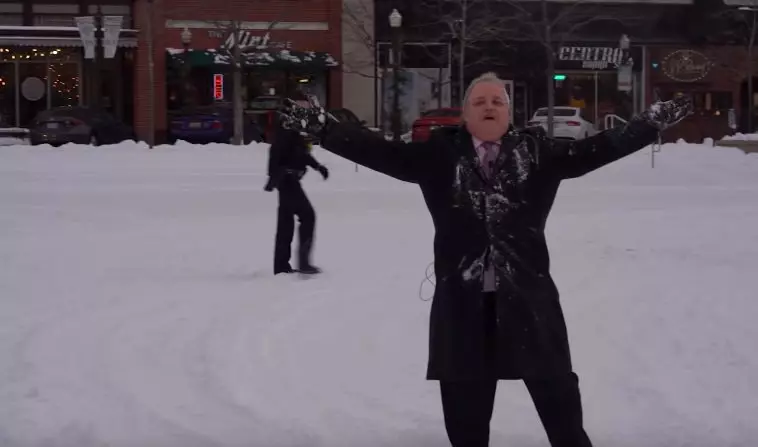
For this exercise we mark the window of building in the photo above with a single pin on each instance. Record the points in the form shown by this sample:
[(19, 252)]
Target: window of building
[(114, 10), (704, 103), (54, 14), (11, 14)]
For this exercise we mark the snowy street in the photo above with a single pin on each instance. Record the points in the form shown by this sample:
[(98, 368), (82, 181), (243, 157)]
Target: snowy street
[(138, 306)]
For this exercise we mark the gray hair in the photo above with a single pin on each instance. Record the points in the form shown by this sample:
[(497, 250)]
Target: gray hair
[(486, 77)]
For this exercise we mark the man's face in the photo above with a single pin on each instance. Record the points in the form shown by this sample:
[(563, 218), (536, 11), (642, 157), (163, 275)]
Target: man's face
[(486, 113)]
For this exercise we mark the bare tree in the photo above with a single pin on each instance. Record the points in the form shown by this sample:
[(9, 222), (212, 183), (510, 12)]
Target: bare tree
[(467, 23), (551, 25), (236, 48)]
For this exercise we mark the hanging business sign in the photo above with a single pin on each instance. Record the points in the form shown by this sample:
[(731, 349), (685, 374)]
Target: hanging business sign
[(218, 87), (86, 27), (686, 65), (247, 40), (111, 30), (594, 58)]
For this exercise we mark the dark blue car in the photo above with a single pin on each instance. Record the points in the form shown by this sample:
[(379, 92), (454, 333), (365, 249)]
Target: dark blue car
[(210, 124)]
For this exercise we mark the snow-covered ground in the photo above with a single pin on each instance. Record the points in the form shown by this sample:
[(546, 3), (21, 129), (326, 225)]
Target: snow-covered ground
[(138, 308)]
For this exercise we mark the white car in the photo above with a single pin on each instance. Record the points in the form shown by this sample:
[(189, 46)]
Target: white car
[(569, 123)]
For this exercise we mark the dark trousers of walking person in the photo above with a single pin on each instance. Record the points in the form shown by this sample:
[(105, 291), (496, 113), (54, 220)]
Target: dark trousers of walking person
[(468, 406), (293, 203)]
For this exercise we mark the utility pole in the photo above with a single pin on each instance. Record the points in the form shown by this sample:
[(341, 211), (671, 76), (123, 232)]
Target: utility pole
[(237, 83), (550, 55), (150, 75), (396, 21), (462, 49)]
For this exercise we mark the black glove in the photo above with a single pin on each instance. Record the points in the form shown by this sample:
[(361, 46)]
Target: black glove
[(663, 115), (270, 185), (309, 120), (324, 172)]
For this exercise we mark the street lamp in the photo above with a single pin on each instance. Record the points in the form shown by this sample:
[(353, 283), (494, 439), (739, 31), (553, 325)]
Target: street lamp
[(750, 103), (396, 21), (624, 42), (186, 37)]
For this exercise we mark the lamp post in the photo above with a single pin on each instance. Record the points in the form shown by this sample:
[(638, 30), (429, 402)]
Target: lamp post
[(396, 20), (750, 105), (97, 61), (623, 76), (186, 37)]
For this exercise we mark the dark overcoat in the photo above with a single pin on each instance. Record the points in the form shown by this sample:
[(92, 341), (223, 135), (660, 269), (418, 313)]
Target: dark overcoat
[(500, 220)]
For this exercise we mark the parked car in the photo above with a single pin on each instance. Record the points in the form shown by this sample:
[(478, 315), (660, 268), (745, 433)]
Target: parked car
[(433, 119), (211, 124), (568, 123), (81, 125)]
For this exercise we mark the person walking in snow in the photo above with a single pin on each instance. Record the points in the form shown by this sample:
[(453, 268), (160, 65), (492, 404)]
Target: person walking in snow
[(496, 313), (289, 157)]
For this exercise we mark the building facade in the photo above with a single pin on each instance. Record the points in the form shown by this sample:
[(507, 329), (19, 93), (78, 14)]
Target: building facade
[(42, 62), (288, 46), (666, 56)]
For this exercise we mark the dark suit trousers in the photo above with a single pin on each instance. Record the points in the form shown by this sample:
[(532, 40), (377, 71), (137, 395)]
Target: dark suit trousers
[(293, 202), (468, 405)]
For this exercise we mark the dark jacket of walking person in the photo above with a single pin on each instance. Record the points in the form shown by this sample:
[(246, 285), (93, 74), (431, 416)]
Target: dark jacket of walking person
[(289, 157), (496, 312)]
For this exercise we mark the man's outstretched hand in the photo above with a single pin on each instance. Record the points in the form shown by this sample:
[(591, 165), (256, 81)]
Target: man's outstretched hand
[(665, 114), (323, 171)]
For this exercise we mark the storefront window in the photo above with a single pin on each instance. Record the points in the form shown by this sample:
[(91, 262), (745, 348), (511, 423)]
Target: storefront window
[(36, 79), (32, 78), (596, 93), (64, 84), (284, 83), (704, 103), (7, 94)]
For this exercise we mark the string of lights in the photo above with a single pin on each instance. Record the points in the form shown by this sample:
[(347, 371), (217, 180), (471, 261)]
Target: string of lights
[(59, 66)]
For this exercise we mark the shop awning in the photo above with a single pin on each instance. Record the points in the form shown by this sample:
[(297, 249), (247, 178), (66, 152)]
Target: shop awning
[(45, 41), (274, 58)]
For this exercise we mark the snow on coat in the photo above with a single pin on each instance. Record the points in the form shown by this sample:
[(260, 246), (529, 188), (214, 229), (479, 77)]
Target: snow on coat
[(519, 331)]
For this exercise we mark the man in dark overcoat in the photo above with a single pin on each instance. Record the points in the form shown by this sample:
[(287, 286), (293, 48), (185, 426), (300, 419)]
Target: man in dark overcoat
[(495, 313)]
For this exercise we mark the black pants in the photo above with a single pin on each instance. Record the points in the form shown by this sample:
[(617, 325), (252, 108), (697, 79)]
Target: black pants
[(293, 202), (468, 405)]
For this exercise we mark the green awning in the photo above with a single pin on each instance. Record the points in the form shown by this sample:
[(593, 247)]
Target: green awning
[(284, 59)]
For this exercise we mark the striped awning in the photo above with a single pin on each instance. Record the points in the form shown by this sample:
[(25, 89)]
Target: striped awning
[(50, 41)]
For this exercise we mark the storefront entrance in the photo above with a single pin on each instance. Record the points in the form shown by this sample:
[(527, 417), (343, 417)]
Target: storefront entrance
[(36, 79), (596, 93), (588, 77)]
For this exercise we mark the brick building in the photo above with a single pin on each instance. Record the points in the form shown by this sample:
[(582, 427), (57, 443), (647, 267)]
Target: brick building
[(42, 64), (291, 44)]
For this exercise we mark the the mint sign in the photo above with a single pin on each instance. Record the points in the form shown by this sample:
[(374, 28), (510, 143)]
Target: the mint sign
[(248, 41)]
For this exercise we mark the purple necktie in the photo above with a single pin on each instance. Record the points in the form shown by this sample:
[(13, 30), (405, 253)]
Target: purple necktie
[(490, 155)]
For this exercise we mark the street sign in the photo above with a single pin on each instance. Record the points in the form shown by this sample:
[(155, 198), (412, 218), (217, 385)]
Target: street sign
[(86, 26), (111, 30)]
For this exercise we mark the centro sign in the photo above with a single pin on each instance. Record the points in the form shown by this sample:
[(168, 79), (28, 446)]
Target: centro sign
[(595, 58), (246, 40)]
